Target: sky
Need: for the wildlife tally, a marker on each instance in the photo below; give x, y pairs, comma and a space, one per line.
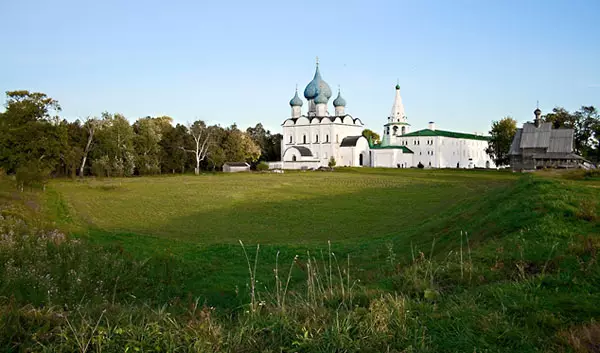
462, 64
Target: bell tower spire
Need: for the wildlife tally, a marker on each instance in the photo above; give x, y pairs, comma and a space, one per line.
397, 114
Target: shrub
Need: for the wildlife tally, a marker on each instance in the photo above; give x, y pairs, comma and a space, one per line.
592, 174
262, 166
32, 174
101, 167
420, 165
332, 162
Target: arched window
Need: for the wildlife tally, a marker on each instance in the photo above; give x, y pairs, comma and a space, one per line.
293, 158
326, 138
403, 130
304, 139
395, 130
317, 138
360, 159
290, 138
337, 138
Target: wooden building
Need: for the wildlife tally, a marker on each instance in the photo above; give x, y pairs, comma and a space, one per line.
537, 145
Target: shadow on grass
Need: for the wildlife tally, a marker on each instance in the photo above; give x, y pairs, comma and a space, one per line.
360, 225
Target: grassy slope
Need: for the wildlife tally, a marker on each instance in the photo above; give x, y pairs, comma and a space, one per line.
201, 219
527, 280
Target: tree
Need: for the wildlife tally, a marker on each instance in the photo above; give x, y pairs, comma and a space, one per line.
173, 157
202, 137
239, 146
371, 136
30, 132
148, 134
116, 145
502, 134
582, 122
90, 126
332, 162
270, 144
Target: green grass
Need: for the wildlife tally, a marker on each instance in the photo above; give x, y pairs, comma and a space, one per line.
423, 261
201, 219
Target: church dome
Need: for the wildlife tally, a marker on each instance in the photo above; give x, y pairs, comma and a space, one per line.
321, 99
317, 87
296, 101
339, 101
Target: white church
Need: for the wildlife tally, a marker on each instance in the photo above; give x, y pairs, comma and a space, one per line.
311, 139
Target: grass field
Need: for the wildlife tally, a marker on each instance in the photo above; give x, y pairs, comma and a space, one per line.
202, 219
418, 260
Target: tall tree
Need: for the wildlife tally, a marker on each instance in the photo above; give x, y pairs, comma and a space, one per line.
582, 122
148, 134
201, 142
502, 134
115, 153
372, 136
239, 146
172, 156
30, 132
89, 126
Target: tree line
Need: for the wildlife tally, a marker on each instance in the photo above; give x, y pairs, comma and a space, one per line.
585, 123
36, 143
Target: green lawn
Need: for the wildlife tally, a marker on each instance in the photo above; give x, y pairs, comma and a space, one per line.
292, 208
441, 261
200, 220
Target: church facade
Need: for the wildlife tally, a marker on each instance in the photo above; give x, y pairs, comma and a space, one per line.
310, 140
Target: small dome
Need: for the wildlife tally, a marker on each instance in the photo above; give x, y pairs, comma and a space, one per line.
316, 87
537, 112
339, 101
397, 86
296, 101
321, 99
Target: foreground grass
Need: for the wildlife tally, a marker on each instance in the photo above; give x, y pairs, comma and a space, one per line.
522, 276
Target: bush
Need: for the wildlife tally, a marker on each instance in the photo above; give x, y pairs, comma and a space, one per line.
262, 166
32, 175
592, 174
101, 167
332, 162
420, 165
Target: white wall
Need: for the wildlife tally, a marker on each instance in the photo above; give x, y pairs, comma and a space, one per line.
391, 158
447, 152
333, 128
350, 156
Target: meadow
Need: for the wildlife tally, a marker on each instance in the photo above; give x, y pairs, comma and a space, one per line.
351, 260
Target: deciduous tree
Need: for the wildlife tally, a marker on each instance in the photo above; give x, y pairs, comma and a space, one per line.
502, 134
372, 136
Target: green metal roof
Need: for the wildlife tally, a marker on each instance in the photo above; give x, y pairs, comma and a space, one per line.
458, 135
403, 148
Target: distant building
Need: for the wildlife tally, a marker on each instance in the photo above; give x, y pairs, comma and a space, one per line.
232, 167
538, 145
310, 140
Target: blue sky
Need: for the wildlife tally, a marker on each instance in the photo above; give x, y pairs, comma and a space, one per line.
460, 63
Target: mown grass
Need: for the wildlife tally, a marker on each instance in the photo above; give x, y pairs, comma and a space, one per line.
504, 264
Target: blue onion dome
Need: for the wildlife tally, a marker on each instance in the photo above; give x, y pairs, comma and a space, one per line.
316, 87
321, 99
312, 89
296, 101
339, 101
